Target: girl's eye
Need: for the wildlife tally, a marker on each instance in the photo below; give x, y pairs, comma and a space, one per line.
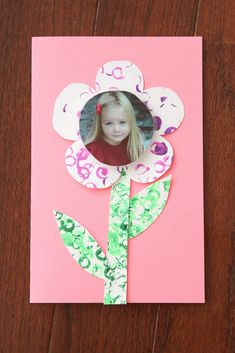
108, 123
122, 122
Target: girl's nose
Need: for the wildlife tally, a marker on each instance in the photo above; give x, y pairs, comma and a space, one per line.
116, 128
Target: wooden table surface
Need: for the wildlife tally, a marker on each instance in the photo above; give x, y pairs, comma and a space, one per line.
135, 328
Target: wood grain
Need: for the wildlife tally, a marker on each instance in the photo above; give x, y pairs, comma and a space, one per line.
143, 328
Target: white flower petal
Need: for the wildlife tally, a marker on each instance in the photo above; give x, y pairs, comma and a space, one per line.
166, 108
120, 75
68, 107
154, 162
85, 169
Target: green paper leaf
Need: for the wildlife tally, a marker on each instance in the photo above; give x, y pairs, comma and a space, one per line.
147, 205
83, 247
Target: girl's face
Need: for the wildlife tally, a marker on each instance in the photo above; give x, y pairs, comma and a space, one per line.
115, 125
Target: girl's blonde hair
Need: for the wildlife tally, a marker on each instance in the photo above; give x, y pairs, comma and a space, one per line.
112, 100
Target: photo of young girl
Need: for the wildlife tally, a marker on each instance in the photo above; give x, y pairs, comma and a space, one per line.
112, 134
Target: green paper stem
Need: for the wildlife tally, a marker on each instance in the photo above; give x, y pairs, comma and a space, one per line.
115, 288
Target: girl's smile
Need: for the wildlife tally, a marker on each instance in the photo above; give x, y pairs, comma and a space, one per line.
115, 126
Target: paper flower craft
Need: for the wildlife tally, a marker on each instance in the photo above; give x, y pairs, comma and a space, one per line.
128, 217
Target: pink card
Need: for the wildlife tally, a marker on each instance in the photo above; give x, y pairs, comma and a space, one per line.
117, 170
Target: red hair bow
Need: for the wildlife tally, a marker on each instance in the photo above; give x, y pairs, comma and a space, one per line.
98, 108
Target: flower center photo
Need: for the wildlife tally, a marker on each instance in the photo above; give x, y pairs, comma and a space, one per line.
116, 127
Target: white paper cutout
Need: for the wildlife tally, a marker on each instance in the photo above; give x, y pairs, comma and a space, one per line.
164, 104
